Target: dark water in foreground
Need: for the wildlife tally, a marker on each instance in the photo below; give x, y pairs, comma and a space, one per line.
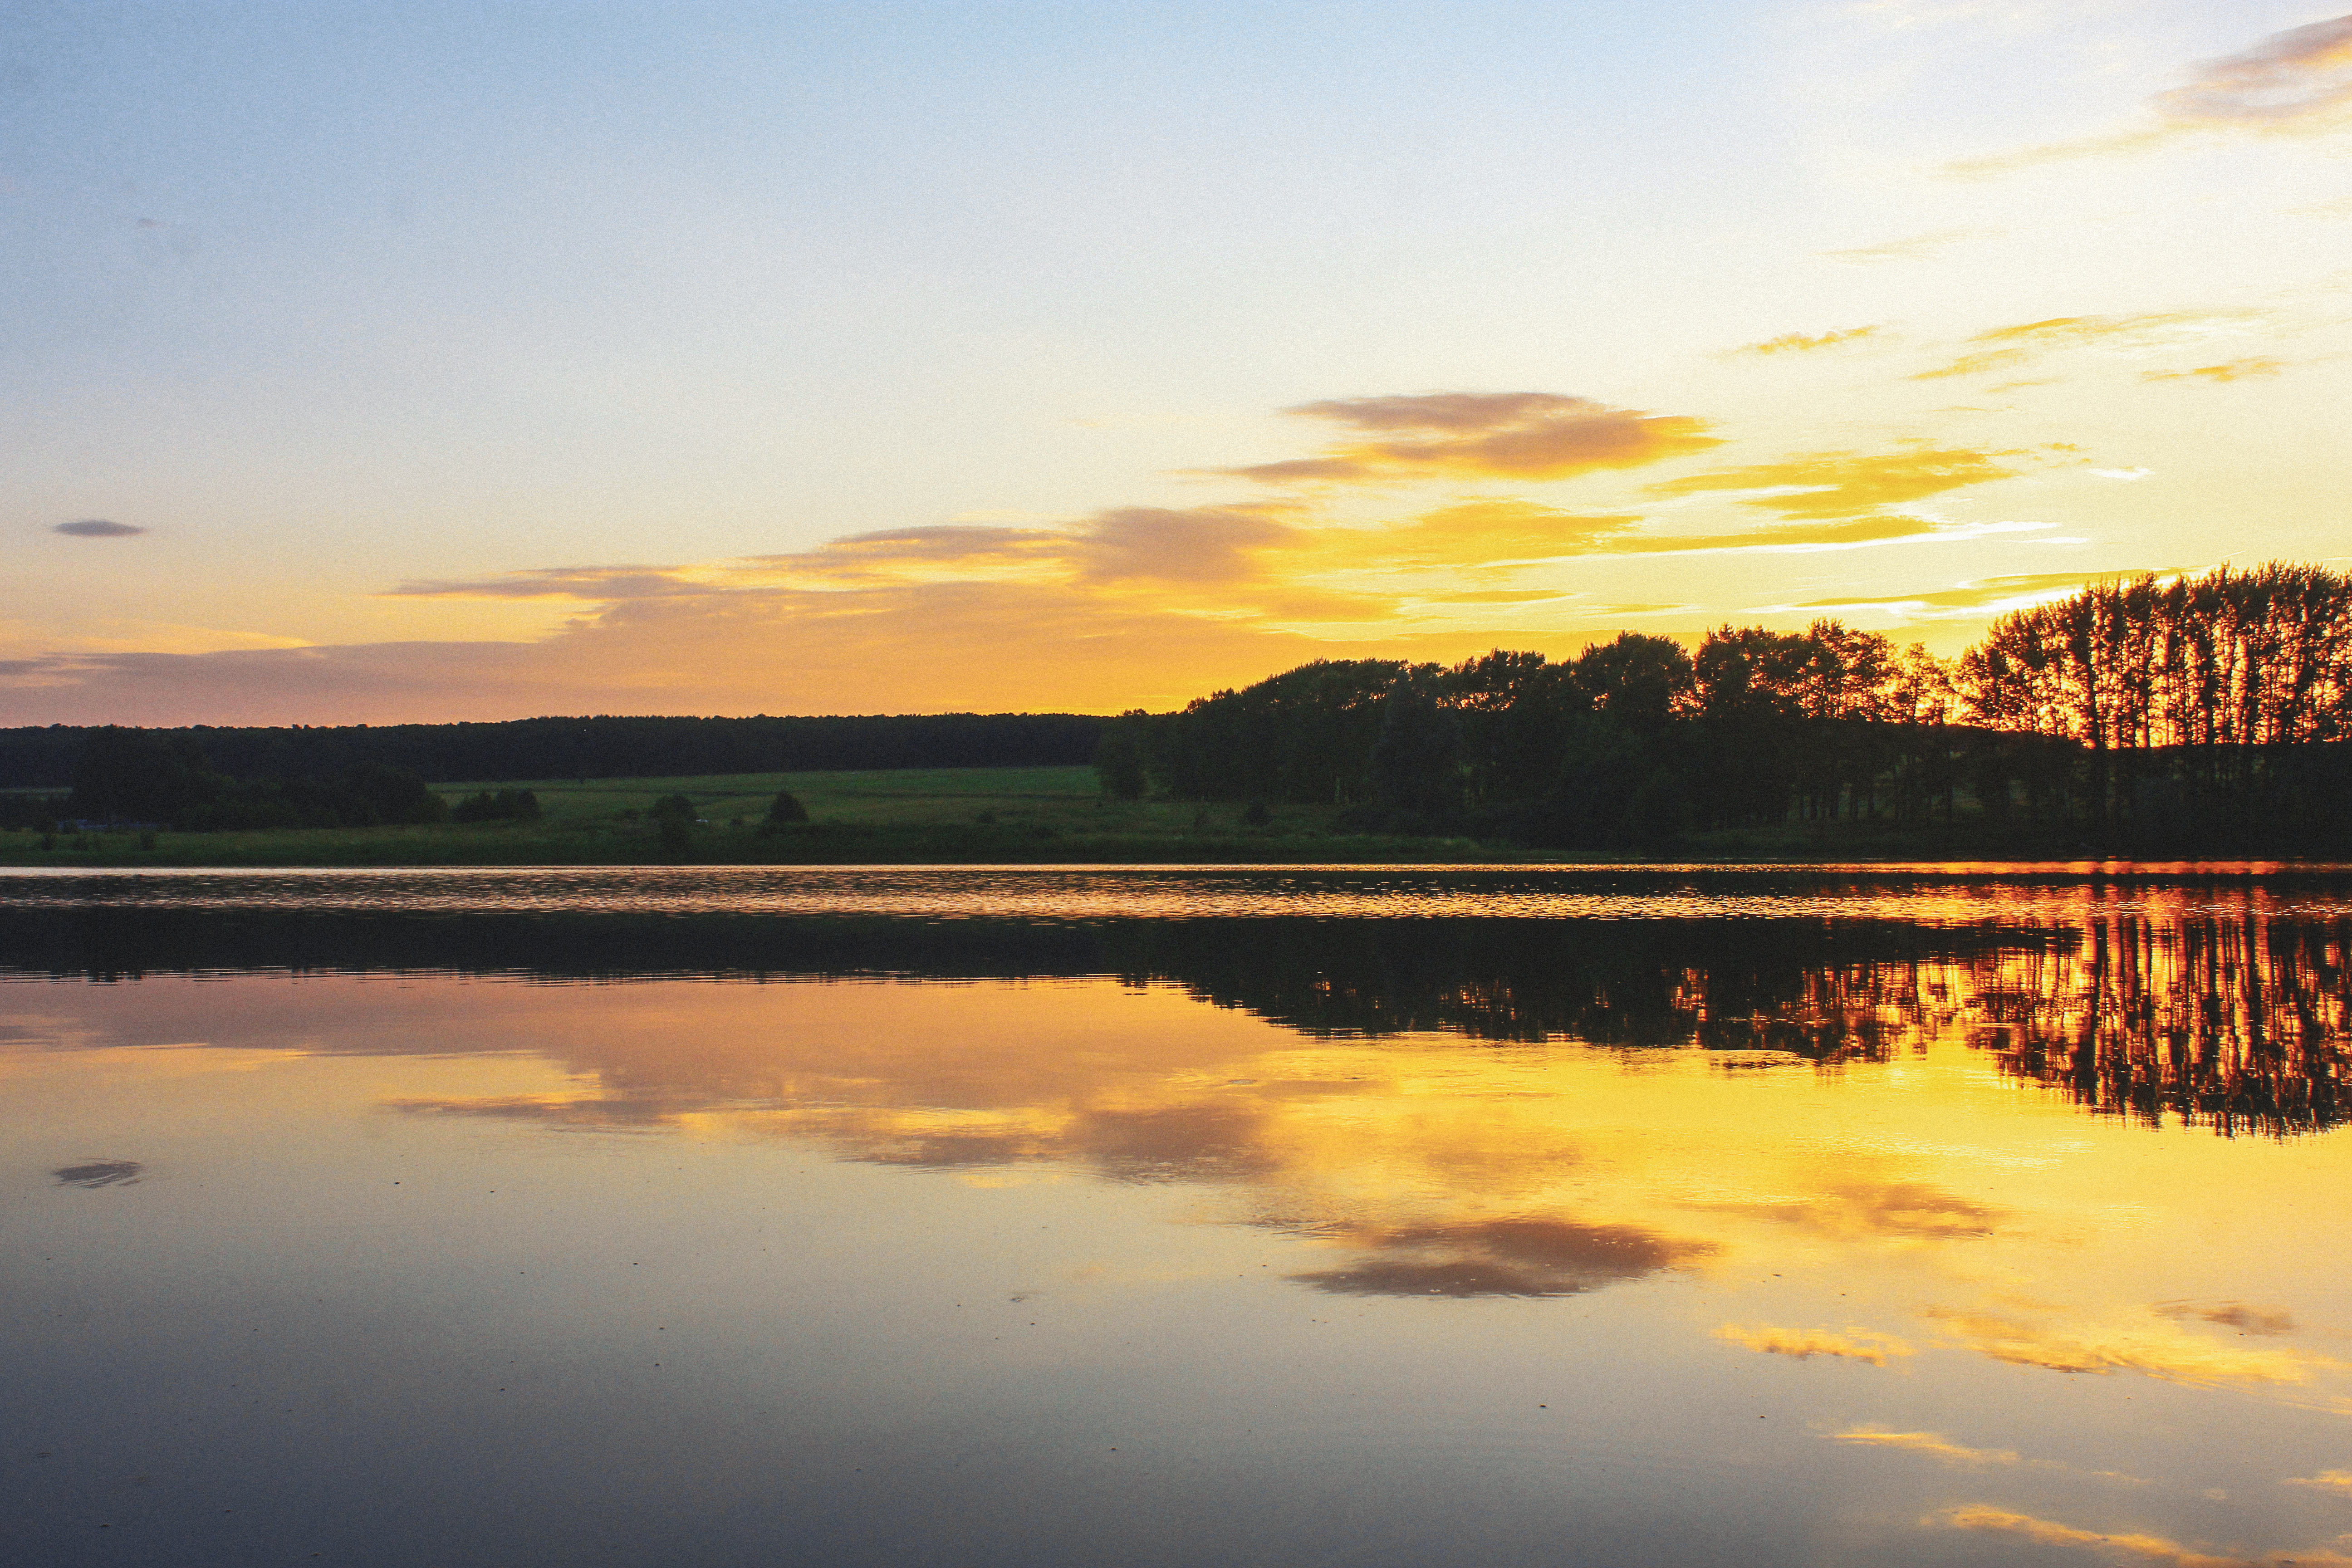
1164, 1217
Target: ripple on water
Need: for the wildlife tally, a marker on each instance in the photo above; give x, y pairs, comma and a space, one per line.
1926, 892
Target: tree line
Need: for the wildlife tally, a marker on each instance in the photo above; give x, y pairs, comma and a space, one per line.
163, 779
599, 747
2204, 714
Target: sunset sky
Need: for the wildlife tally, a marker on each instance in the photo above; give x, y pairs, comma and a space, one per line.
381, 361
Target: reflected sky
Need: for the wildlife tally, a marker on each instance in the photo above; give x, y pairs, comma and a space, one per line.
557, 1235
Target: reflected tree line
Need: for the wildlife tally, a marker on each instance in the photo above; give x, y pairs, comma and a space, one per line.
2243, 1024
2206, 714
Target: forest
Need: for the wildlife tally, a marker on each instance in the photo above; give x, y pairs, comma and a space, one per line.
599, 747
2205, 715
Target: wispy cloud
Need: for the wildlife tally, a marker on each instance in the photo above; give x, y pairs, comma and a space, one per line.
2232, 369
2004, 347
1846, 484
2297, 82
1974, 598
1913, 247
1801, 343
1482, 435
96, 527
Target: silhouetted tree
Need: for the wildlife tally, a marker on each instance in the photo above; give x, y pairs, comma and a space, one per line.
1415, 764
1121, 758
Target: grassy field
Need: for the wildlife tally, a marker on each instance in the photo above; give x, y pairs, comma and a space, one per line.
912, 816
939, 815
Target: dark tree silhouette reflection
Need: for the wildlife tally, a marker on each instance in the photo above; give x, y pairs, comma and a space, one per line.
2243, 1024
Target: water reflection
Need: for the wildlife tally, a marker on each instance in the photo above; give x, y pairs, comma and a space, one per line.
99, 1174
2003, 1234
2239, 1022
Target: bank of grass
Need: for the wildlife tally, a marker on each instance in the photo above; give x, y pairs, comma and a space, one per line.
909, 816
901, 817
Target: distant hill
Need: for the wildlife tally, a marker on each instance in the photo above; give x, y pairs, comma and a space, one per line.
599, 747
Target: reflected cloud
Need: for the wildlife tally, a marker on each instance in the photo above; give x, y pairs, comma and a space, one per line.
1524, 1256
1174, 1144
1803, 1344
2129, 1545
92, 1173
1447, 1110
2168, 1357
1890, 1209
2260, 1321
1932, 1444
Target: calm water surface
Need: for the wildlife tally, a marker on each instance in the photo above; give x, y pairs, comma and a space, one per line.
1633, 1215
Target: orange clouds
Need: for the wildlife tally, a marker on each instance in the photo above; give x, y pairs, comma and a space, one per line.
1197, 546
907, 648
2289, 80
1130, 605
1209, 544
1483, 435
1480, 532
2294, 82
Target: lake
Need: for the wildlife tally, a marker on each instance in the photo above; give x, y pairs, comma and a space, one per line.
1362, 1217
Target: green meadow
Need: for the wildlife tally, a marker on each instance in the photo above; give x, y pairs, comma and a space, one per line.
937, 816
916, 815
